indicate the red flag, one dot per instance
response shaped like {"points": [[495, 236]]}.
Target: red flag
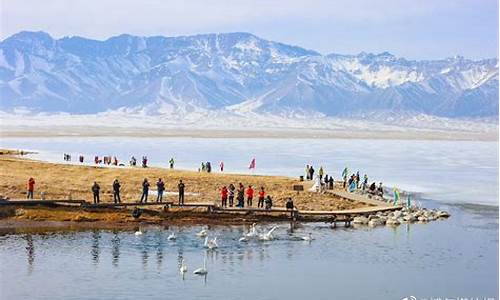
{"points": [[252, 164]]}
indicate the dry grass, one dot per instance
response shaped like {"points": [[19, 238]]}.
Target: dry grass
{"points": [[57, 181]]}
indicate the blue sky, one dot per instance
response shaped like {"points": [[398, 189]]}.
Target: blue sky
{"points": [[416, 29]]}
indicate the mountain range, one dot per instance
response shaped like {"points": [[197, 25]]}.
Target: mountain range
{"points": [[236, 73]]}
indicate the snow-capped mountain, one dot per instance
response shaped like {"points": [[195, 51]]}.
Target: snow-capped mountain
{"points": [[234, 73]]}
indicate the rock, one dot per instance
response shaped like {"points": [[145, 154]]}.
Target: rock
{"points": [[371, 217], [410, 218], [376, 222], [392, 222], [360, 220], [423, 219], [442, 214]]}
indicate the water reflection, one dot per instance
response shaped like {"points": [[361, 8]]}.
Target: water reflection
{"points": [[95, 251], [115, 248], [30, 252]]}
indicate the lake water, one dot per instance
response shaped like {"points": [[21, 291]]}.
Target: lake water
{"points": [[453, 258]]}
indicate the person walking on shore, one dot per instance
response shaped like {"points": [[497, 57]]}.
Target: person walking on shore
{"points": [[145, 191], [31, 187], [321, 172], [160, 187], [249, 196], [171, 162], [223, 194], [231, 189], [181, 187], [95, 191], [241, 195], [262, 194], [116, 191]]}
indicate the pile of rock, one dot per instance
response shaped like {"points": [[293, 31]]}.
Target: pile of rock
{"points": [[405, 215]]}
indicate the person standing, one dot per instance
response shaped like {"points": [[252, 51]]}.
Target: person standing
{"points": [[181, 187], [320, 173], [307, 172], [223, 194], [231, 194], [160, 186], [262, 194], [31, 187], [95, 191], [380, 190], [145, 191], [116, 191], [249, 196], [311, 173], [221, 165], [365, 182], [241, 196], [209, 167], [171, 162]]}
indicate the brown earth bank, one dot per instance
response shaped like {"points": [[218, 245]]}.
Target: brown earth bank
{"points": [[62, 181]]}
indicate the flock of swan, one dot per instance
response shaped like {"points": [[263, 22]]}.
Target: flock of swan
{"points": [[211, 244]]}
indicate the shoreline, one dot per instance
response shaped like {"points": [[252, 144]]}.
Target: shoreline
{"points": [[264, 133]]}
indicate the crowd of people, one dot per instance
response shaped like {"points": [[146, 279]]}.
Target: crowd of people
{"points": [[354, 182], [160, 189], [350, 182], [228, 194]]}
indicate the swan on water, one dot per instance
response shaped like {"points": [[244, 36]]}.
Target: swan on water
{"points": [[203, 270], [202, 233], [269, 235], [243, 239], [172, 237], [183, 268], [307, 238], [252, 232], [210, 244], [138, 232]]}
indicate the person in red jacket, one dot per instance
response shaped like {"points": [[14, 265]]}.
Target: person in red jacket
{"points": [[223, 194], [249, 195], [262, 193], [31, 187]]}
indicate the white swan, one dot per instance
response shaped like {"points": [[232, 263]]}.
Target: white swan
{"points": [[203, 270], [243, 239], [307, 238], [202, 233], [252, 232], [138, 232], [210, 244], [269, 235], [183, 268], [172, 237]]}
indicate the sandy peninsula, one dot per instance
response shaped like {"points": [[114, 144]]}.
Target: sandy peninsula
{"points": [[63, 181]]}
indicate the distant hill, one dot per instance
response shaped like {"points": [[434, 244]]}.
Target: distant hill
{"points": [[235, 73]]}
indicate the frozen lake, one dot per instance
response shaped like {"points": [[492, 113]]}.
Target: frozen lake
{"points": [[446, 171]]}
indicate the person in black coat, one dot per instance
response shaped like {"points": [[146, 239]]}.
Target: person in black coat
{"points": [[116, 191], [145, 190]]}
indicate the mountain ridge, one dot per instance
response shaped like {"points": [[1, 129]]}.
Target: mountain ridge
{"points": [[234, 72]]}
